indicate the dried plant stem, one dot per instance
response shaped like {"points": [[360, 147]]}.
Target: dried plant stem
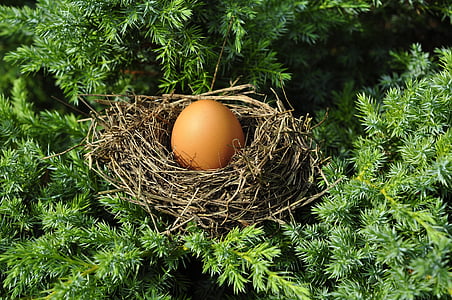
{"points": [[221, 55]]}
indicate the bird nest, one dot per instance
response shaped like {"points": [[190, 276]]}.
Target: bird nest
{"points": [[274, 174]]}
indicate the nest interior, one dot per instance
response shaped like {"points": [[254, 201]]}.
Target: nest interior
{"points": [[129, 145]]}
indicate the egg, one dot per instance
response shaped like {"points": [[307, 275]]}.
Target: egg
{"points": [[206, 135]]}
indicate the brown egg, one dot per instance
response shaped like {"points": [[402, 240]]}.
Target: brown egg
{"points": [[206, 135]]}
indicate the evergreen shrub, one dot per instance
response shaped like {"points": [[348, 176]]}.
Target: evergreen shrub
{"points": [[112, 46], [383, 232]]}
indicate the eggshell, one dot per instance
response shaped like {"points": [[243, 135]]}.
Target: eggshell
{"points": [[206, 135]]}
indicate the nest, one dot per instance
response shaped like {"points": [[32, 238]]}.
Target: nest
{"points": [[274, 174]]}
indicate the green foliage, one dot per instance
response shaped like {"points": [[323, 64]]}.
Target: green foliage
{"points": [[383, 232], [243, 257], [357, 50], [340, 127], [59, 240], [18, 121], [174, 44], [37, 84]]}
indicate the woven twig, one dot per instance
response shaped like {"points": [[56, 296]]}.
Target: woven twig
{"points": [[129, 144]]}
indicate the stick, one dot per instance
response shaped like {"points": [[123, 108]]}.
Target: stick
{"points": [[65, 151], [220, 56]]}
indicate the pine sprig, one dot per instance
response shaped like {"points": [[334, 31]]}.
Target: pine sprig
{"points": [[242, 258]]}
